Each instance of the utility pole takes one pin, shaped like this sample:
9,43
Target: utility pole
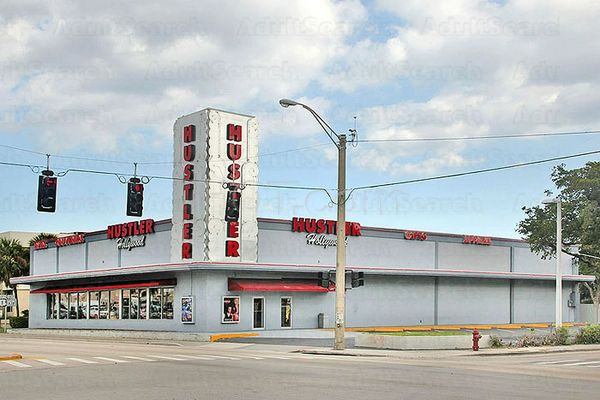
558,313
340,263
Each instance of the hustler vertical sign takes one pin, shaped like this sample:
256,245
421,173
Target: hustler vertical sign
234,195
214,210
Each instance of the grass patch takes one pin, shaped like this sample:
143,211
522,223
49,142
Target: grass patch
424,333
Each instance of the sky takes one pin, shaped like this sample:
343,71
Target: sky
88,81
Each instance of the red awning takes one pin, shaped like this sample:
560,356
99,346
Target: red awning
273,285
103,287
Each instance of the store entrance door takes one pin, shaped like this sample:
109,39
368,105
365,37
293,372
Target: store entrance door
258,320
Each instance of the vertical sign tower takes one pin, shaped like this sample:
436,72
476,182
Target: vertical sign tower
214,209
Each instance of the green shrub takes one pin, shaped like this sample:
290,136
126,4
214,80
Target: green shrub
562,336
19,322
589,335
496,341
536,340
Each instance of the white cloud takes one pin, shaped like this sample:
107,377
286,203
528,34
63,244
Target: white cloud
90,74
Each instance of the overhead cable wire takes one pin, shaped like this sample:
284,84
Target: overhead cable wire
474,172
483,137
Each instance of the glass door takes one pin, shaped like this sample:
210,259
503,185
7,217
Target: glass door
258,319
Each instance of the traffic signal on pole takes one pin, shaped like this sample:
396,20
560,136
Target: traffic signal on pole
358,279
47,183
232,209
324,278
135,197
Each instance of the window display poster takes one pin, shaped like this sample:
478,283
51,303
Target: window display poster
187,309
231,310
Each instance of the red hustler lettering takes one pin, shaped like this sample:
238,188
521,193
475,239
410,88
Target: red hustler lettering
142,227
415,235
40,245
189,155
482,240
320,226
69,240
234,153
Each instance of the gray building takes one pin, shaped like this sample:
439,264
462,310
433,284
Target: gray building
216,267
126,280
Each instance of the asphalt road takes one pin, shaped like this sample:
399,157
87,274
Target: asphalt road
80,369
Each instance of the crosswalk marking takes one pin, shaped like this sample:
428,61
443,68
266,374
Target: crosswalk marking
226,358
556,362
17,364
81,360
194,357
138,358
168,358
50,362
111,359
581,363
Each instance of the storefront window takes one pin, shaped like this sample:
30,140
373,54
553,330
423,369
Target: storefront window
286,312
104,299
51,301
125,304
64,306
114,304
94,297
168,298
143,303
133,312
73,305
155,303
83,305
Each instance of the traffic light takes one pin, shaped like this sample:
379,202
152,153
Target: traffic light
358,279
135,197
232,209
47,192
324,278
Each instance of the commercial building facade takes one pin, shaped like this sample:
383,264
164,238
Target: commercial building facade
216,267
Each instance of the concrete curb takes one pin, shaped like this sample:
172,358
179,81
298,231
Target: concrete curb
537,350
217,337
338,353
460,342
113,334
11,357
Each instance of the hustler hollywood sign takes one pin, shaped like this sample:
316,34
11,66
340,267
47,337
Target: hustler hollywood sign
317,230
215,154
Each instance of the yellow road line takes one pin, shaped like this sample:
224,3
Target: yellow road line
216,338
11,357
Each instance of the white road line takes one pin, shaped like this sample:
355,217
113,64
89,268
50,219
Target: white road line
581,363
50,362
138,358
195,357
168,358
17,364
81,360
556,362
226,358
111,359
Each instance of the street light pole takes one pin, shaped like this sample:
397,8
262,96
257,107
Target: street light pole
340,259
558,311
340,262
558,272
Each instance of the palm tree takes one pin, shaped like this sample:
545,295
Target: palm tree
42,236
14,261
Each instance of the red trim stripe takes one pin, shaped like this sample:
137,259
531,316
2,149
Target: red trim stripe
103,287
273,285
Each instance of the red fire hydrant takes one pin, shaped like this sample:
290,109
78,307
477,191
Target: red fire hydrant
476,337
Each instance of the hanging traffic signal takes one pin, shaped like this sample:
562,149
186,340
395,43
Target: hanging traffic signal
135,197
47,183
324,278
232,210
358,279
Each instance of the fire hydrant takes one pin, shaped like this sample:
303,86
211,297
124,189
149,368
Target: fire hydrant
476,337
